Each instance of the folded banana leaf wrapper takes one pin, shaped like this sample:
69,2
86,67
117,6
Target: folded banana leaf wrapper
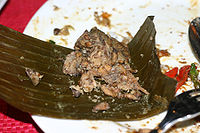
52,96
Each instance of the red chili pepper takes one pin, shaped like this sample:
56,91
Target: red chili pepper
172,73
183,76
182,72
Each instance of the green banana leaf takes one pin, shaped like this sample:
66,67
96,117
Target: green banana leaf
52,96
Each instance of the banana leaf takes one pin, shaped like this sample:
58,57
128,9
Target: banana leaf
52,96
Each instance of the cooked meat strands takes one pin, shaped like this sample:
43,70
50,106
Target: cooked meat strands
34,76
101,107
98,55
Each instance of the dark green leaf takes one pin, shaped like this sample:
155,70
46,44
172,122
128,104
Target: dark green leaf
52,42
52,96
194,76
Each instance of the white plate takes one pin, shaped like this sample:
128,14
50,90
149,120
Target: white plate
171,20
2,3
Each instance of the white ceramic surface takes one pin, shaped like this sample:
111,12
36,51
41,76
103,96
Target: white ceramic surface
171,21
2,3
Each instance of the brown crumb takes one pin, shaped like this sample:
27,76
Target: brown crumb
120,130
129,34
100,107
157,45
63,31
56,31
65,17
55,8
114,9
76,91
127,39
127,116
187,21
34,76
162,53
93,127
183,61
103,19
181,34
144,130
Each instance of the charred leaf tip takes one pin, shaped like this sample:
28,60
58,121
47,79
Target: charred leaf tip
151,17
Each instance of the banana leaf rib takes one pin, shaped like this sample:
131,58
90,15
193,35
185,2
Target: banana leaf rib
26,53
43,87
27,41
33,96
55,69
20,72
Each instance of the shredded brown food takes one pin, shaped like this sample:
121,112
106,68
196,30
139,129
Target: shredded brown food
98,56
